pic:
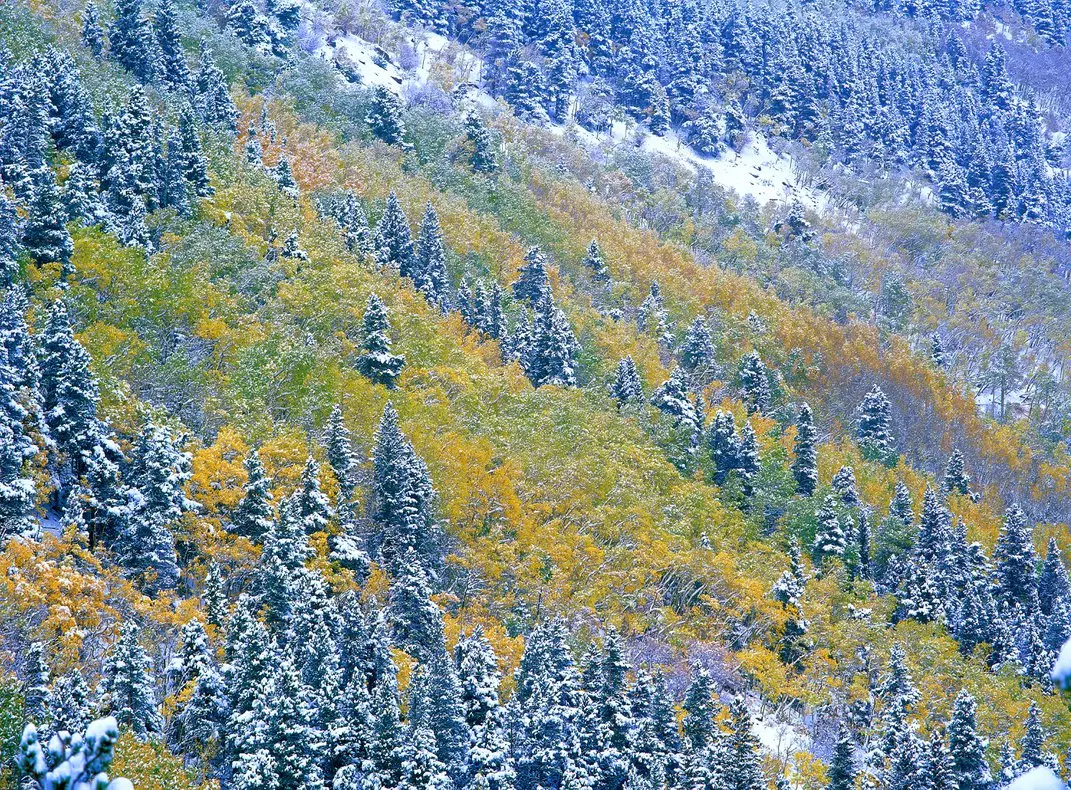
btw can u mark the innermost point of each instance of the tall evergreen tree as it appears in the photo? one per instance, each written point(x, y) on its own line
point(309, 506)
point(385, 116)
point(875, 423)
point(172, 67)
point(532, 284)
point(127, 686)
point(92, 31)
point(755, 382)
point(805, 463)
point(956, 479)
point(595, 263)
point(427, 267)
point(393, 240)
point(627, 388)
point(252, 516)
point(132, 40)
point(376, 361)
point(45, 236)
point(1016, 562)
point(841, 767)
point(483, 158)
point(551, 358)
point(829, 539)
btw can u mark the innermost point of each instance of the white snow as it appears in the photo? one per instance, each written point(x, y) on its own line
point(1061, 670)
point(1037, 779)
point(778, 737)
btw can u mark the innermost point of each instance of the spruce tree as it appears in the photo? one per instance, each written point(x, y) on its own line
point(551, 357)
point(36, 691)
point(376, 361)
point(829, 538)
point(127, 686)
point(805, 462)
point(697, 353)
point(902, 508)
point(354, 224)
point(532, 284)
point(1054, 585)
point(283, 174)
point(252, 516)
point(969, 766)
point(213, 100)
point(698, 723)
point(385, 116)
point(956, 479)
point(92, 32)
point(214, 598)
point(172, 67)
point(18, 491)
point(627, 387)
point(724, 445)
point(841, 767)
point(45, 236)
point(1016, 562)
point(595, 263)
point(416, 620)
point(10, 245)
point(651, 316)
point(672, 399)
point(194, 161)
point(341, 456)
point(72, 706)
point(427, 267)
point(483, 158)
point(875, 423)
point(393, 241)
point(743, 767)
point(755, 383)
point(309, 506)
point(132, 41)
point(403, 498)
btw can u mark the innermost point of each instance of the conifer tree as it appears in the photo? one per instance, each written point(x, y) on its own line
point(127, 686)
point(748, 459)
point(805, 463)
point(309, 506)
point(901, 507)
point(416, 620)
point(672, 399)
point(956, 479)
point(249, 25)
point(284, 177)
point(354, 224)
point(755, 382)
point(427, 267)
point(724, 445)
point(627, 388)
point(697, 353)
point(742, 769)
point(45, 236)
point(651, 317)
point(72, 707)
point(252, 517)
point(841, 767)
point(829, 539)
point(17, 488)
point(376, 361)
point(403, 499)
point(147, 549)
point(937, 351)
point(393, 241)
point(36, 690)
point(92, 32)
point(385, 116)
point(843, 484)
point(132, 41)
point(595, 263)
point(532, 284)
point(551, 357)
point(1054, 585)
point(214, 102)
point(875, 431)
point(9, 242)
point(194, 161)
point(214, 597)
point(698, 724)
point(340, 453)
point(172, 67)
point(1016, 562)
point(483, 158)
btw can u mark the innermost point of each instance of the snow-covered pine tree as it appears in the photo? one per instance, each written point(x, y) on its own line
point(1015, 583)
point(956, 480)
point(724, 445)
point(805, 452)
point(45, 236)
point(132, 42)
point(532, 283)
point(18, 492)
point(551, 357)
point(698, 724)
point(385, 116)
point(194, 161)
point(213, 99)
point(393, 240)
point(427, 267)
point(844, 486)
point(595, 263)
point(172, 68)
point(697, 354)
point(80, 760)
point(627, 387)
point(338, 447)
point(376, 361)
point(416, 620)
point(755, 383)
point(671, 398)
point(1054, 585)
point(92, 32)
point(127, 686)
point(875, 423)
point(829, 540)
point(309, 505)
point(651, 316)
point(252, 516)
point(214, 597)
point(36, 689)
point(283, 174)
point(403, 498)
point(483, 158)
point(72, 706)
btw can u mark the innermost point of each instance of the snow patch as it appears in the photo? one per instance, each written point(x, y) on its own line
point(1037, 779)
point(1061, 670)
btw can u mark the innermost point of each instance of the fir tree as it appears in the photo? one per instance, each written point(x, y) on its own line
point(427, 267)
point(874, 430)
point(284, 177)
point(72, 707)
point(805, 462)
point(340, 453)
point(249, 25)
point(627, 388)
point(416, 619)
point(36, 691)
point(172, 67)
point(697, 353)
point(956, 479)
point(844, 486)
point(194, 162)
point(92, 32)
point(969, 766)
point(841, 767)
point(403, 499)
point(376, 361)
point(672, 399)
point(483, 158)
point(551, 357)
point(393, 241)
point(595, 263)
point(743, 769)
point(17, 488)
point(385, 116)
point(10, 246)
point(132, 41)
point(45, 236)
point(698, 724)
point(214, 103)
point(309, 506)
point(532, 284)
point(651, 317)
point(214, 597)
point(1054, 586)
point(755, 382)
point(829, 539)
point(252, 517)
point(1016, 561)
point(901, 507)
point(127, 686)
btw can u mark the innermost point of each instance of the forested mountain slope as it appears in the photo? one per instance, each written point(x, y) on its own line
point(350, 439)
